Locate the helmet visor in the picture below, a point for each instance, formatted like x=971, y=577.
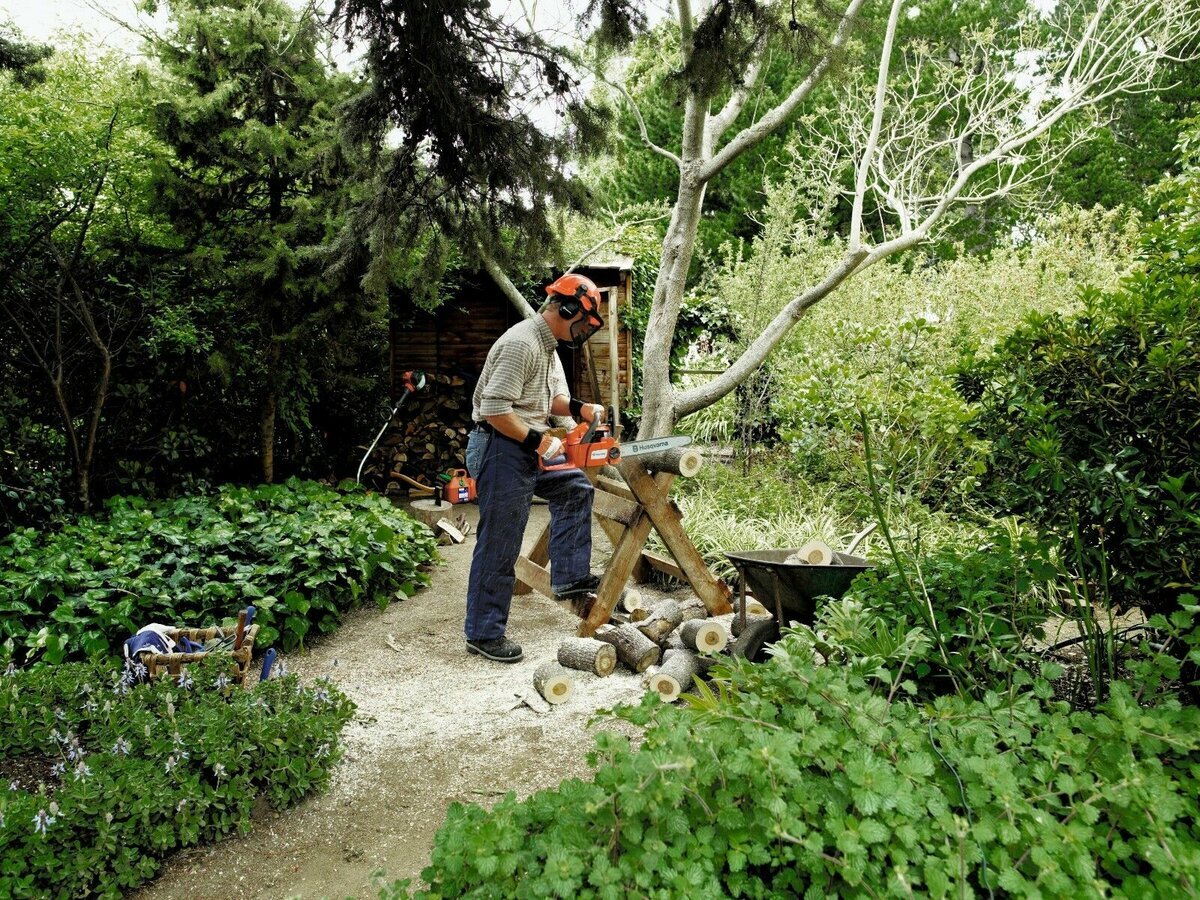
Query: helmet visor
x=583, y=329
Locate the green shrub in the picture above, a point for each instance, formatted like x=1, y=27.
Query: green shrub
x=299, y=552
x=1094, y=424
x=986, y=604
x=801, y=780
x=142, y=770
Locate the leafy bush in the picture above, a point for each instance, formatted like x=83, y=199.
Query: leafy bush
x=801, y=780
x=299, y=552
x=1094, y=423
x=109, y=778
x=894, y=374
x=985, y=604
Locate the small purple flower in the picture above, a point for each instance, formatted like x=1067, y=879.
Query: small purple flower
x=139, y=669
x=121, y=747
x=222, y=682
x=59, y=714
x=281, y=670
x=82, y=770
x=219, y=770
x=185, y=681
x=74, y=752
x=13, y=785
x=58, y=769
x=11, y=670
x=322, y=696
x=171, y=763
x=180, y=805
x=323, y=750
x=42, y=820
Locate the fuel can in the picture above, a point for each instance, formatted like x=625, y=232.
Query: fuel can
x=460, y=488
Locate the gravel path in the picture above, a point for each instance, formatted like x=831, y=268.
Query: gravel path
x=434, y=725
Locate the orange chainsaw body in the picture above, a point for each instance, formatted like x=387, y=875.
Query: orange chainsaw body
x=585, y=446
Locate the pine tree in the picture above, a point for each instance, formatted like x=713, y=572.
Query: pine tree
x=246, y=103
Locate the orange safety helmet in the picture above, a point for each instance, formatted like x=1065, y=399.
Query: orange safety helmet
x=576, y=294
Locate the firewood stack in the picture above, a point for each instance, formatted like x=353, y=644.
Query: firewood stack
x=427, y=438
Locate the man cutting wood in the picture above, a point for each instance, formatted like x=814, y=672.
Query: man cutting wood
x=521, y=387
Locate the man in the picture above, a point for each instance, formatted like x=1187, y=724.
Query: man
x=521, y=387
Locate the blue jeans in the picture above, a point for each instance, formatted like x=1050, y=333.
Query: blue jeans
x=506, y=479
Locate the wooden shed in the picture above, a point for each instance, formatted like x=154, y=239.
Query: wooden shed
x=453, y=341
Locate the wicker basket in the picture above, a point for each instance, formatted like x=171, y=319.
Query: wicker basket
x=172, y=664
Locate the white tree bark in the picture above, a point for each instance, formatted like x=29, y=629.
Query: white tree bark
x=900, y=158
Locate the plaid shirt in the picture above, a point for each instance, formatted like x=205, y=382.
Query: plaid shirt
x=521, y=375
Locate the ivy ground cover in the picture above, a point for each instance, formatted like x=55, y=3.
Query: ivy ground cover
x=300, y=552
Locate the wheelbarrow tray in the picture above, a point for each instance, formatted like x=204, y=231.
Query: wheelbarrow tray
x=795, y=585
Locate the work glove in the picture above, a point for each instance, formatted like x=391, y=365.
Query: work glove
x=597, y=412
x=553, y=447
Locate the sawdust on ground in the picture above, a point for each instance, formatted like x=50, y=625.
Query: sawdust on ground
x=434, y=725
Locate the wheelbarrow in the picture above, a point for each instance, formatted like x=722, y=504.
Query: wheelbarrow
x=791, y=589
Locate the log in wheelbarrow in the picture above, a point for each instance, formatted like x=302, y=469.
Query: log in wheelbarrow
x=789, y=590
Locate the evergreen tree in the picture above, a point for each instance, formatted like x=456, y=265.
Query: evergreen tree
x=454, y=87
x=20, y=57
x=246, y=103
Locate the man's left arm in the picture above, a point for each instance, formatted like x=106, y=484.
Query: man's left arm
x=563, y=405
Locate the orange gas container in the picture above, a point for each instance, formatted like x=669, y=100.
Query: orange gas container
x=460, y=488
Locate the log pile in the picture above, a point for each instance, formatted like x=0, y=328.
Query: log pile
x=687, y=642
x=427, y=437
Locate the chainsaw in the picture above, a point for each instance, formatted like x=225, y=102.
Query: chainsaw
x=591, y=444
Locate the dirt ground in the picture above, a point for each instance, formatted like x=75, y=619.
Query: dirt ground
x=434, y=725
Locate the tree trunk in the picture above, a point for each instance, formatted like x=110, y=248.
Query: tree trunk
x=658, y=395
x=270, y=407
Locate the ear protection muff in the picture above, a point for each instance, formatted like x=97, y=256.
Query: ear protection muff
x=569, y=307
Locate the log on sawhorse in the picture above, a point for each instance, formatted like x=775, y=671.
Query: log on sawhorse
x=627, y=513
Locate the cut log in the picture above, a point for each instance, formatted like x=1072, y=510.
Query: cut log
x=704, y=635
x=634, y=649
x=676, y=675
x=754, y=608
x=588, y=655
x=736, y=628
x=664, y=618
x=685, y=461
x=553, y=682
x=631, y=600
x=814, y=553
x=693, y=609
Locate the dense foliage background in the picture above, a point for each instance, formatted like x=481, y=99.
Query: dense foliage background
x=199, y=254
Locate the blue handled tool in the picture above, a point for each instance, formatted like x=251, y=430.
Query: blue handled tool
x=268, y=661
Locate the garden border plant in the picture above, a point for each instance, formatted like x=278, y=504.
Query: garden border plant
x=115, y=775
x=793, y=778
x=300, y=552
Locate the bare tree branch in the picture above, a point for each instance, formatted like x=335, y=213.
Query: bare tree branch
x=754, y=134
x=723, y=120
x=505, y=284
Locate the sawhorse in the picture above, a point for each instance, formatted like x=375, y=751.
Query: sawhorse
x=627, y=512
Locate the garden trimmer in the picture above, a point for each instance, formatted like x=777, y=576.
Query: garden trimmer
x=411, y=382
